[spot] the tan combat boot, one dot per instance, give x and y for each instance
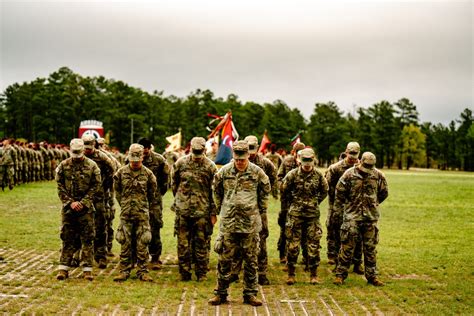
(291, 275)
(358, 269)
(145, 277)
(375, 282)
(62, 275)
(121, 277)
(314, 277)
(218, 300)
(252, 300)
(87, 275)
(338, 281)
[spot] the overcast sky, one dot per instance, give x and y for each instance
(302, 52)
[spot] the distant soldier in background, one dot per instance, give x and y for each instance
(135, 189)
(241, 192)
(289, 163)
(158, 165)
(267, 166)
(334, 221)
(274, 156)
(212, 154)
(78, 180)
(359, 192)
(7, 170)
(195, 209)
(303, 190)
(106, 167)
(46, 154)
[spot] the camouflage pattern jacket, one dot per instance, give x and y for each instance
(269, 168)
(5, 156)
(192, 187)
(241, 197)
(158, 165)
(358, 195)
(135, 191)
(303, 192)
(275, 159)
(78, 180)
(334, 172)
(288, 164)
(106, 167)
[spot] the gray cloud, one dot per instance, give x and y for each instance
(349, 52)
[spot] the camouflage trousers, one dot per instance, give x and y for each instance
(262, 255)
(100, 219)
(133, 235)
(333, 238)
(77, 226)
(229, 247)
(297, 228)
(7, 173)
(156, 223)
(192, 244)
(109, 219)
(350, 233)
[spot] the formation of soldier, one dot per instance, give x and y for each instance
(238, 194)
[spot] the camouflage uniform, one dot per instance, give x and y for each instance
(358, 194)
(267, 166)
(288, 164)
(135, 193)
(100, 216)
(194, 206)
(275, 158)
(158, 165)
(241, 198)
(303, 191)
(78, 181)
(334, 222)
(7, 170)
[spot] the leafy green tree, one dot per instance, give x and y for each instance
(413, 145)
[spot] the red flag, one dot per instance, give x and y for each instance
(264, 143)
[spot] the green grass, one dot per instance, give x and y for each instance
(424, 256)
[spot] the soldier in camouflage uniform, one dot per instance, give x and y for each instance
(135, 189)
(358, 194)
(78, 180)
(158, 165)
(7, 169)
(195, 209)
(288, 164)
(109, 198)
(274, 156)
(241, 192)
(106, 170)
(267, 166)
(303, 190)
(333, 222)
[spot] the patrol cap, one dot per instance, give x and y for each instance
(253, 143)
(367, 162)
(88, 141)
(307, 156)
(298, 146)
(135, 152)
(353, 149)
(198, 144)
(241, 149)
(77, 148)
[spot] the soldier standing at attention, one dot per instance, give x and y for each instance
(135, 189)
(106, 167)
(334, 221)
(158, 165)
(267, 166)
(195, 209)
(358, 194)
(303, 190)
(289, 163)
(241, 192)
(78, 180)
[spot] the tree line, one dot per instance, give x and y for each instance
(52, 108)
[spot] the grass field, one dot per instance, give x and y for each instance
(425, 257)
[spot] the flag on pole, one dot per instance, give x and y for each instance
(264, 143)
(296, 139)
(228, 135)
(175, 142)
